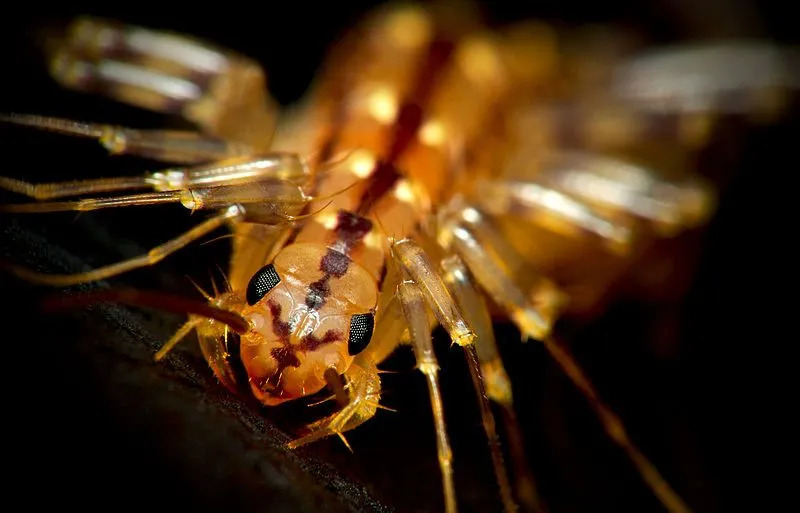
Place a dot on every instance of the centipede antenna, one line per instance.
(336, 193)
(333, 161)
(221, 237)
(290, 218)
(148, 299)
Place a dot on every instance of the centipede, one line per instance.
(453, 274)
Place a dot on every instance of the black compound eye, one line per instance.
(262, 282)
(360, 332)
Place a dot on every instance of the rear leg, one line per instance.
(223, 93)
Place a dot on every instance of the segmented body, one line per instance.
(385, 134)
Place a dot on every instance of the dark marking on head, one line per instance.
(312, 343)
(350, 230)
(317, 292)
(261, 283)
(281, 328)
(286, 357)
(361, 326)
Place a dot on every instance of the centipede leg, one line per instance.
(46, 191)
(89, 204)
(364, 393)
(174, 146)
(414, 310)
(152, 257)
(419, 267)
(498, 385)
(222, 92)
(535, 321)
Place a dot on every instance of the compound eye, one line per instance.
(361, 326)
(262, 282)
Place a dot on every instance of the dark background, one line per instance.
(92, 422)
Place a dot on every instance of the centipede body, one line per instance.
(558, 404)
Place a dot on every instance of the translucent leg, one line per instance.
(184, 147)
(88, 204)
(270, 185)
(414, 310)
(419, 267)
(498, 384)
(45, 191)
(224, 93)
(153, 256)
(535, 321)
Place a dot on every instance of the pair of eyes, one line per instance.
(361, 325)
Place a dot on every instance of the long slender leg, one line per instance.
(414, 310)
(45, 191)
(419, 267)
(285, 168)
(498, 384)
(153, 256)
(222, 92)
(178, 146)
(535, 324)
(88, 204)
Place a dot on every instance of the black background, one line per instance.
(90, 421)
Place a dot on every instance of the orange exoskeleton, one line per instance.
(438, 172)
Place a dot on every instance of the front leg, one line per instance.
(363, 389)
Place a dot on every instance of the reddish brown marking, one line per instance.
(351, 228)
(410, 116)
(286, 357)
(334, 263)
(406, 126)
(312, 343)
(281, 328)
(380, 182)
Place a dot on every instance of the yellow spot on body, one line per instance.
(433, 133)
(363, 163)
(328, 221)
(374, 239)
(404, 192)
(382, 104)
